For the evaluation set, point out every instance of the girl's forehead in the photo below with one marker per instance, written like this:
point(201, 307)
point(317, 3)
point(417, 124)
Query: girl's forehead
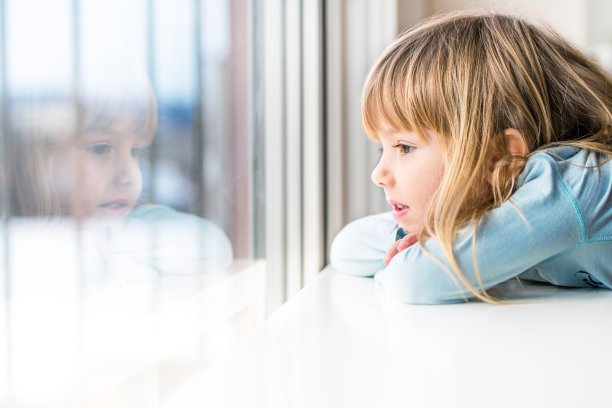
point(379, 125)
point(383, 128)
point(383, 115)
point(119, 132)
point(137, 123)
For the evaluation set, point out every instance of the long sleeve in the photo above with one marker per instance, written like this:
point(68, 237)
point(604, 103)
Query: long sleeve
point(173, 242)
point(359, 247)
point(542, 221)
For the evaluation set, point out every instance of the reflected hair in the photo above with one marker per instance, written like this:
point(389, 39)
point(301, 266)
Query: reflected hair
point(468, 77)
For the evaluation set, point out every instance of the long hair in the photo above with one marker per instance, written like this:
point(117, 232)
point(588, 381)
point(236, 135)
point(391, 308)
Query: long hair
point(470, 76)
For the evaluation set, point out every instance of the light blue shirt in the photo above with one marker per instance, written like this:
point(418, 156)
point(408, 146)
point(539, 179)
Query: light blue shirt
point(556, 228)
point(171, 241)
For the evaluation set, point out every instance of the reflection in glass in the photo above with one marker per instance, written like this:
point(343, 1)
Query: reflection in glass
point(126, 187)
point(75, 157)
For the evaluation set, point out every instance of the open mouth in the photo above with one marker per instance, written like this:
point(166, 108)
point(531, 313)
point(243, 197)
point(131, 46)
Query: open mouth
point(113, 206)
point(399, 210)
point(117, 207)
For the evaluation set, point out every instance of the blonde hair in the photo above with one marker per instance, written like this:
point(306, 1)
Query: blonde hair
point(470, 76)
point(40, 121)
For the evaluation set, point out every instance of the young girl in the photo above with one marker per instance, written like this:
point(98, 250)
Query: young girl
point(76, 157)
point(495, 140)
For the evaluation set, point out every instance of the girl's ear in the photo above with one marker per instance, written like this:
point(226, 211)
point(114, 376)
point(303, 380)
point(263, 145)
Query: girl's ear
point(515, 142)
point(507, 156)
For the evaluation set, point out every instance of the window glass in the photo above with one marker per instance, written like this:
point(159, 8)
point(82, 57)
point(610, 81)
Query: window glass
point(127, 184)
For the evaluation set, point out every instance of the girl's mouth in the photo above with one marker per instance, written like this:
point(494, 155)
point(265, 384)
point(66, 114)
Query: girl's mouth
point(115, 208)
point(399, 210)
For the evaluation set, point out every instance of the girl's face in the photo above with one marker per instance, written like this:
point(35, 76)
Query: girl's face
point(99, 175)
point(410, 170)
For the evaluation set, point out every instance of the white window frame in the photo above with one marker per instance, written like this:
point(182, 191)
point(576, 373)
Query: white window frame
point(293, 129)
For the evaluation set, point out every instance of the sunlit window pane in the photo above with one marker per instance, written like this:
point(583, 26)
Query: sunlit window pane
point(127, 182)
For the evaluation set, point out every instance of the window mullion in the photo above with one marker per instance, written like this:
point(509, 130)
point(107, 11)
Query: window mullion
point(293, 137)
point(274, 141)
point(313, 161)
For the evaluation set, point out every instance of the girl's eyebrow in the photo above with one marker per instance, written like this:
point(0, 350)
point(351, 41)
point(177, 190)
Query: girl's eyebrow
point(89, 138)
point(98, 132)
point(112, 133)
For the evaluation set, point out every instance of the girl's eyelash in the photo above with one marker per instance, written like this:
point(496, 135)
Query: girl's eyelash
point(100, 148)
point(405, 148)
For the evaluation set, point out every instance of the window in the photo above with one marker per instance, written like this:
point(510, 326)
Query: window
point(161, 187)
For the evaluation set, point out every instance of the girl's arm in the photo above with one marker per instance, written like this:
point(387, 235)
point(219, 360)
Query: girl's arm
point(360, 246)
point(173, 242)
point(541, 221)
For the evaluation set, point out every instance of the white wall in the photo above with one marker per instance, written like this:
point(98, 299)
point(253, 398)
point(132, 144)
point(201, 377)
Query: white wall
point(570, 18)
point(586, 23)
point(599, 34)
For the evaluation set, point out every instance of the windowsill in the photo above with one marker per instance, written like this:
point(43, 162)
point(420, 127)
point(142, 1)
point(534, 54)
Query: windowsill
point(179, 310)
point(339, 342)
point(76, 350)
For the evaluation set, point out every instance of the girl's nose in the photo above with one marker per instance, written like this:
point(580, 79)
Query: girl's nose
point(128, 171)
point(380, 175)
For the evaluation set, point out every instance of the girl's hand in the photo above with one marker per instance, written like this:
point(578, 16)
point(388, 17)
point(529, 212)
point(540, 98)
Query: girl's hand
point(399, 245)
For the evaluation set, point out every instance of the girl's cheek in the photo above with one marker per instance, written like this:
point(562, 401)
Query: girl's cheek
point(62, 181)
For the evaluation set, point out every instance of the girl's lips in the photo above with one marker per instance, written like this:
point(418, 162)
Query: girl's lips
point(116, 208)
point(397, 213)
point(399, 210)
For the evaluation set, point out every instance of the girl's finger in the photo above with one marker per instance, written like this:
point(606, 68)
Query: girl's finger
point(406, 242)
point(390, 253)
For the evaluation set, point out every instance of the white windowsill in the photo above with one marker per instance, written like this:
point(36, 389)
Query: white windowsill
point(341, 343)
point(76, 351)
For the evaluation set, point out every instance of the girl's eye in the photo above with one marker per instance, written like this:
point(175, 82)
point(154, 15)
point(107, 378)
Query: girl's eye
point(404, 148)
point(99, 149)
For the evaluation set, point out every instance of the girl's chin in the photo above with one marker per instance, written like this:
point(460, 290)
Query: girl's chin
point(99, 212)
point(106, 216)
point(408, 228)
point(112, 213)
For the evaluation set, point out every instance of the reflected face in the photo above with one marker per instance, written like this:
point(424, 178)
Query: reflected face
point(99, 175)
point(410, 170)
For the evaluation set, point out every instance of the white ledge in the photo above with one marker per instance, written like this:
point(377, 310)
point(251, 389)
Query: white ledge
point(75, 350)
point(340, 343)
